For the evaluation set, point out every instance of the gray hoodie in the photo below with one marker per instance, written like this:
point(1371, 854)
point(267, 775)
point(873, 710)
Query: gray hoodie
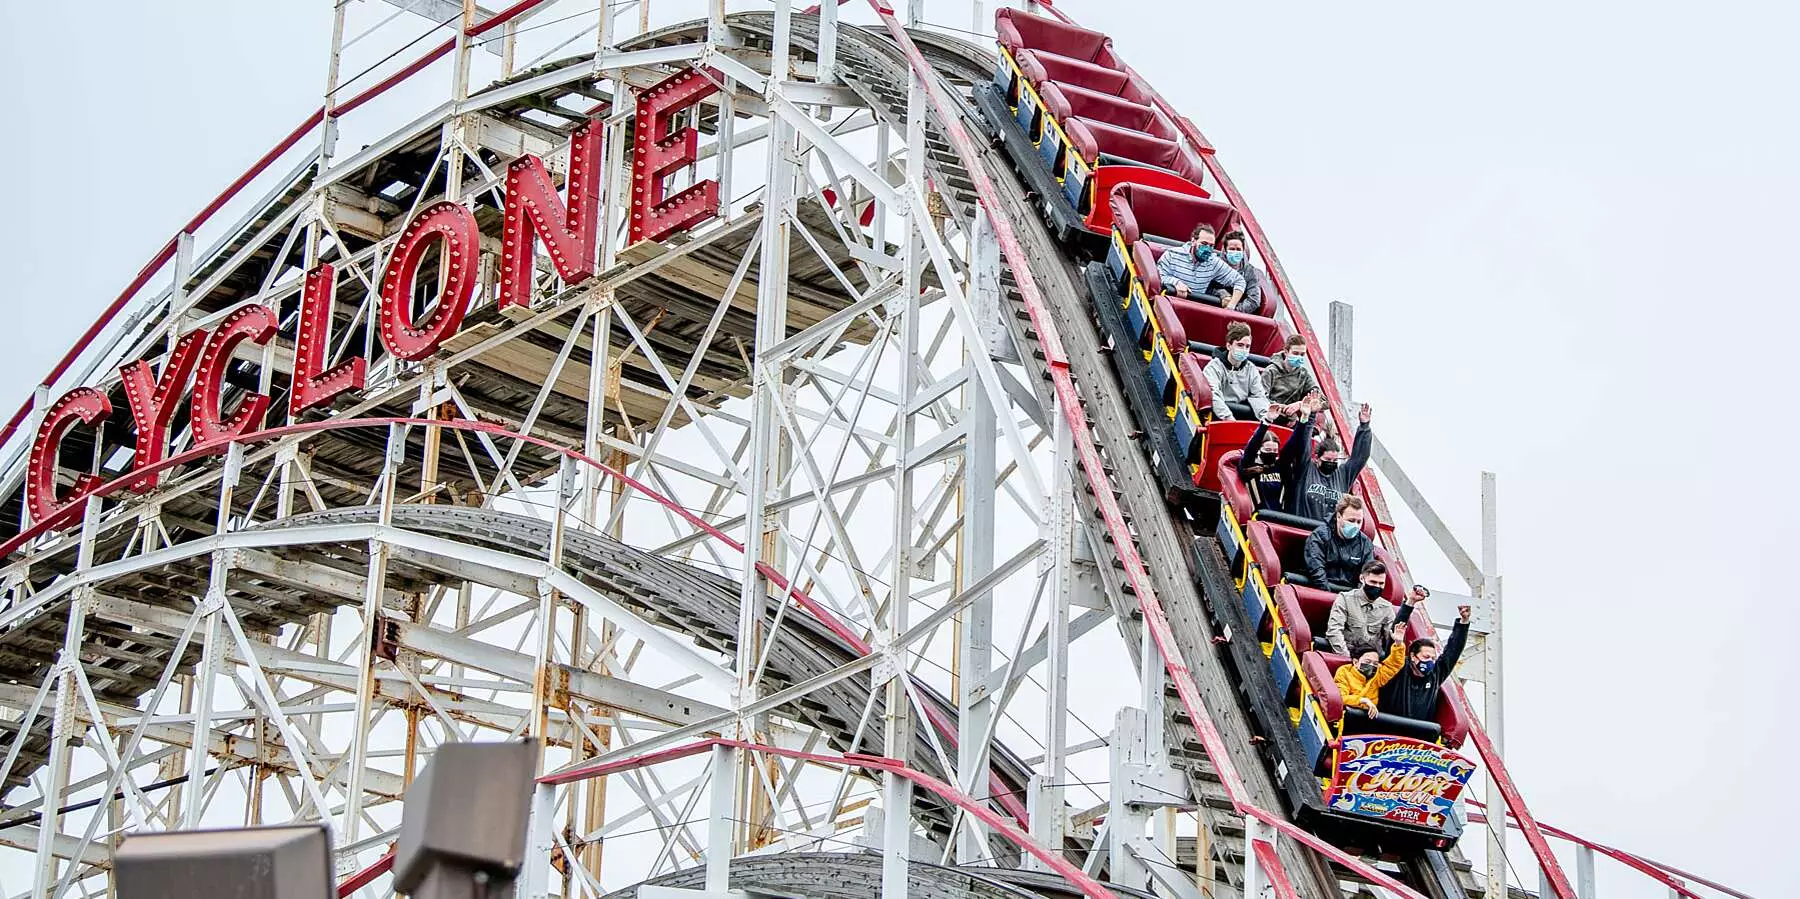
point(1243, 384)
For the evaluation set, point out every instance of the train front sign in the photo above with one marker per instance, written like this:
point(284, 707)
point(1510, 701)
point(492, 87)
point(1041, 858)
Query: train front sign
point(1397, 779)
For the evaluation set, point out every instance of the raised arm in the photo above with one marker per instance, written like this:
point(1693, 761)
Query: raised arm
point(1365, 444)
point(1453, 648)
point(1250, 450)
point(1391, 664)
point(1293, 452)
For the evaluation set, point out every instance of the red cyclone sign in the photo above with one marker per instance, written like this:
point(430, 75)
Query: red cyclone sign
point(569, 230)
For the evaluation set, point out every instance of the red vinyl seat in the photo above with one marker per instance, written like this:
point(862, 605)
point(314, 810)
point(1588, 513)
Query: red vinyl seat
point(1185, 321)
point(1307, 613)
point(1279, 549)
point(1319, 667)
point(1068, 101)
point(1235, 492)
point(1140, 210)
point(1304, 611)
point(1318, 670)
point(1096, 141)
point(1042, 67)
point(1017, 30)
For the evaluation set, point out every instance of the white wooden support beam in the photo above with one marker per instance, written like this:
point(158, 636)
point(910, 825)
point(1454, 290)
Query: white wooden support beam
point(1343, 345)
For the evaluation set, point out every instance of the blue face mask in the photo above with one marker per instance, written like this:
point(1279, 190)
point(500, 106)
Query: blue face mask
point(1238, 356)
point(1424, 666)
point(1296, 361)
point(1203, 253)
point(1235, 257)
point(1348, 529)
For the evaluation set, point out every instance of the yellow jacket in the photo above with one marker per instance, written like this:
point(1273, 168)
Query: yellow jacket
point(1356, 688)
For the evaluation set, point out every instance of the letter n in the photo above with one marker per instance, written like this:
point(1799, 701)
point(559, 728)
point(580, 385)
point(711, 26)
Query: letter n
point(153, 400)
point(313, 385)
point(533, 211)
point(657, 152)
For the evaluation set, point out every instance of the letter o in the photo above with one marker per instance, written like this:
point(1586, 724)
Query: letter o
point(454, 225)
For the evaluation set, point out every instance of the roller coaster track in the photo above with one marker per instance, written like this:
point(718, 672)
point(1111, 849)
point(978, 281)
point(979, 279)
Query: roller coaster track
point(846, 875)
point(703, 607)
point(876, 68)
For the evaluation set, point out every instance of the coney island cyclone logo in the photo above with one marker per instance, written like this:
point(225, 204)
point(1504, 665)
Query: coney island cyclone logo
point(1397, 779)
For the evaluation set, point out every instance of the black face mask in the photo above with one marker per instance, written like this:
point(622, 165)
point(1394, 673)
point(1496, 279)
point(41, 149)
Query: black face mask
point(1372, 591)
point(1267, 458)
point(1327, 466)
point(1367, 668)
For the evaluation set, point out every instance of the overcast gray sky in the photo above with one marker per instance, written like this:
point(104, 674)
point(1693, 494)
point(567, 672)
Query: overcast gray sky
point(1565, 230)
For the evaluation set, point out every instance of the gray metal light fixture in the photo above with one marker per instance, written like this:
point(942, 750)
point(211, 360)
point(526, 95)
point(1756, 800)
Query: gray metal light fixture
point(255, 863)
point(462, 831)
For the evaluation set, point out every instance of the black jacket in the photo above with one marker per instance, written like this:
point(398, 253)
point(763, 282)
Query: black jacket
point(1332, 559)
point(1415, 695)
point(1264, 480)
point(1311, 493)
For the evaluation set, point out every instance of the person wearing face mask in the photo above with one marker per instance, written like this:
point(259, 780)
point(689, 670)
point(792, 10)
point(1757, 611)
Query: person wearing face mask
point(1234, 379)
point(1192, 270)
point(1314, 485)
point(1251, 303)
point(1370, 668)
point(1361, 616)
point(1260, 468)
point(1413, 693)
point(1336, 552)
point(1288, 379)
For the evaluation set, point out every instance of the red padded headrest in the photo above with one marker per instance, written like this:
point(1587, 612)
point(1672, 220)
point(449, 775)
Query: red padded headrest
point(1139, 209)
point(1039, 67)
point(1206, 324)
point(1233, 488)
point(1068, 100)
point(1144, 255)
point(1193, 373)
point(1018, 30)
point(1318, 670)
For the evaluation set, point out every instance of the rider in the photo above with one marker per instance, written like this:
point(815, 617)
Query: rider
point(1314, 486)
point(1359, 681)
point(1336, 552)
point(1234, 379)
point(1413, 692)
point(1234, 247)
point(1191, 270)
point(1361, 615)
point(1259, 467)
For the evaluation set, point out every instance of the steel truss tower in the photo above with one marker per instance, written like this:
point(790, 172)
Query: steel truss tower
point(777, 534)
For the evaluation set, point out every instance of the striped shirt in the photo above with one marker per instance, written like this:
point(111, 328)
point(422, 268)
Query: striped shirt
point(1179, 264)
